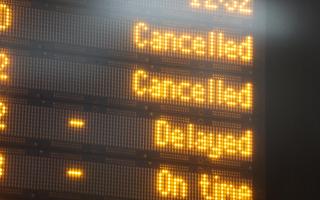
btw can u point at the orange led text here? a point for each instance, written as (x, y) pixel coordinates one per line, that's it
(212, 92)
(212, 144)
(215, 45)
(172, 186)
(217, 189)
(243, 7)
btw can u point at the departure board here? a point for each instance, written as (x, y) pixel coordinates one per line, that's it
(131, 99)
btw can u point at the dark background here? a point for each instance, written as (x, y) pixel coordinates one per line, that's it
(292, 79)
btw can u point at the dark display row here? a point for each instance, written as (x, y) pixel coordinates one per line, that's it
(118, 83)
(72, 30)
(114, 132)
(57, 176)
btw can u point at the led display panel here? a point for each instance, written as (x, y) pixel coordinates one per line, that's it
(117, 179)
(116, 131)
(73, 30)
(131, 99)
(130, 83)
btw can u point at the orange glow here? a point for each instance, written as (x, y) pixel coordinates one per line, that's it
(205, 93)
(2, 160)
(5, 17)
(3, 112)
(74, 173)
(212, 144)
(3, 77)
(4, 62)
(242, 7)
(218, 189)
(77, 123)
(214, 45)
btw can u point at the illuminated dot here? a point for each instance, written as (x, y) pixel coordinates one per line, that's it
(74, 173)
(3, 77)
(2, 160)
(76, 123)
(2, 127)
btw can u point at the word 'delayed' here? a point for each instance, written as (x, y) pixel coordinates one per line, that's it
(214, 144)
